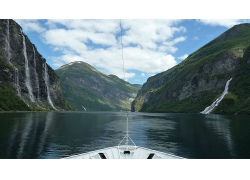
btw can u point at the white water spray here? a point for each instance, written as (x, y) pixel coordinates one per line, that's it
(36, 76)
(16, 72)
(46, 79)
(16, 82)
(8, 42)
(208, 109)
(27, 71)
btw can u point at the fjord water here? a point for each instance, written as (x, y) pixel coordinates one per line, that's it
(55, 135)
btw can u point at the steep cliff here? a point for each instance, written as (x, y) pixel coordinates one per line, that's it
(196, 82)
(25, 73)
(86, 88)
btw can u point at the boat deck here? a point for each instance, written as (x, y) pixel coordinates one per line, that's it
(124, 152)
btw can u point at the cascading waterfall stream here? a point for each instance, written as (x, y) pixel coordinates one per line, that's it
(16, 72)
(16, 82)
(36, 76)
(208, 109)
(27, 71)
(46, 79)
(8, 42)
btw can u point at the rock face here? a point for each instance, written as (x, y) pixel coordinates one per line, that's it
(86, 88)
(34, 80)
(196, 82)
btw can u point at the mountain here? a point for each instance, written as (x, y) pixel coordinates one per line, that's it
(27, 82)
(199, 80)
(137, 85)
(84, 87)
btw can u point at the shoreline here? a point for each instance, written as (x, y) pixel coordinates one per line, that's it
(2, 112)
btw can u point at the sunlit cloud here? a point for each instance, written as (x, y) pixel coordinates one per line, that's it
(148, 44)
(222, 22)
(30, 25)
(183, 57)
(196, 38)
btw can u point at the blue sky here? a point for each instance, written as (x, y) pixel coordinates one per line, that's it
(156, 35)
(149, 46)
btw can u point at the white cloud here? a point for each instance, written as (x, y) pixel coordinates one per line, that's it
(196, 38)
(142, 74)
(105, 26)
(30, 25)
(147, 43)
(221, 22)
(149, 33)
(169, 45)
(183, 57)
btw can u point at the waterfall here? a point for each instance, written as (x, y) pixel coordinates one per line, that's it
(16, 82)
(16, 72)
(8, 41)
(208, 109)
(46, 79)
(36, 76)
(27, 71)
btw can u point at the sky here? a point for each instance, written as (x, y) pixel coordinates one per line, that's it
(155, 36)
(150, 46)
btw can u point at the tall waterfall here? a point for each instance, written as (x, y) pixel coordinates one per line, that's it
(208, 109)
(27, 71)
(16, 72)
(16, 82)
(8, 41)
(36, 76)
(46, 79)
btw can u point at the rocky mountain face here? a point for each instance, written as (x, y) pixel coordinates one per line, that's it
(197, 82)
(26, 76)
(86, 88)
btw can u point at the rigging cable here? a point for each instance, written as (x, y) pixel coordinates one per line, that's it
(122, 50)
(124, 80)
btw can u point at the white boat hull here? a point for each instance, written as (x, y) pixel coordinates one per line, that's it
(124, 152)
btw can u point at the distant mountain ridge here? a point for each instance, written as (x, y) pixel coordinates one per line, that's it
(196, 82)
(86, 88)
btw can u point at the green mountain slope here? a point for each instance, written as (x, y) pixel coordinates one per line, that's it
(196, 82)
(84, 87)
(8, 97)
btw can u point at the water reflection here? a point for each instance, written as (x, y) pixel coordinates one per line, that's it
(25, 134)
(44, 134)
(26, 138)
(12, 138)
(60, 134)
(220, 125)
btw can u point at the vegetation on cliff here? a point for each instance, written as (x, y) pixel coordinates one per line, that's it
(196, 82)
(23, 68)
(84, 87)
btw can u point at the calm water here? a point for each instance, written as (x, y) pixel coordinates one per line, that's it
(60, 134)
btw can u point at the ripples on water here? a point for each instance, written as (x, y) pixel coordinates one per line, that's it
(60, 134)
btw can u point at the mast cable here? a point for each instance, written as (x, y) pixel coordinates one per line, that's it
(122, 50)
(127, 135)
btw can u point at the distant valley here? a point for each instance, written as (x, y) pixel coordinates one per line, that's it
(86, 88)
(28, 83)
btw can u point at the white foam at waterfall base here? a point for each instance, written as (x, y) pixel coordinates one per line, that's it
(208, 109)
(46, 79)
(27, 71)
